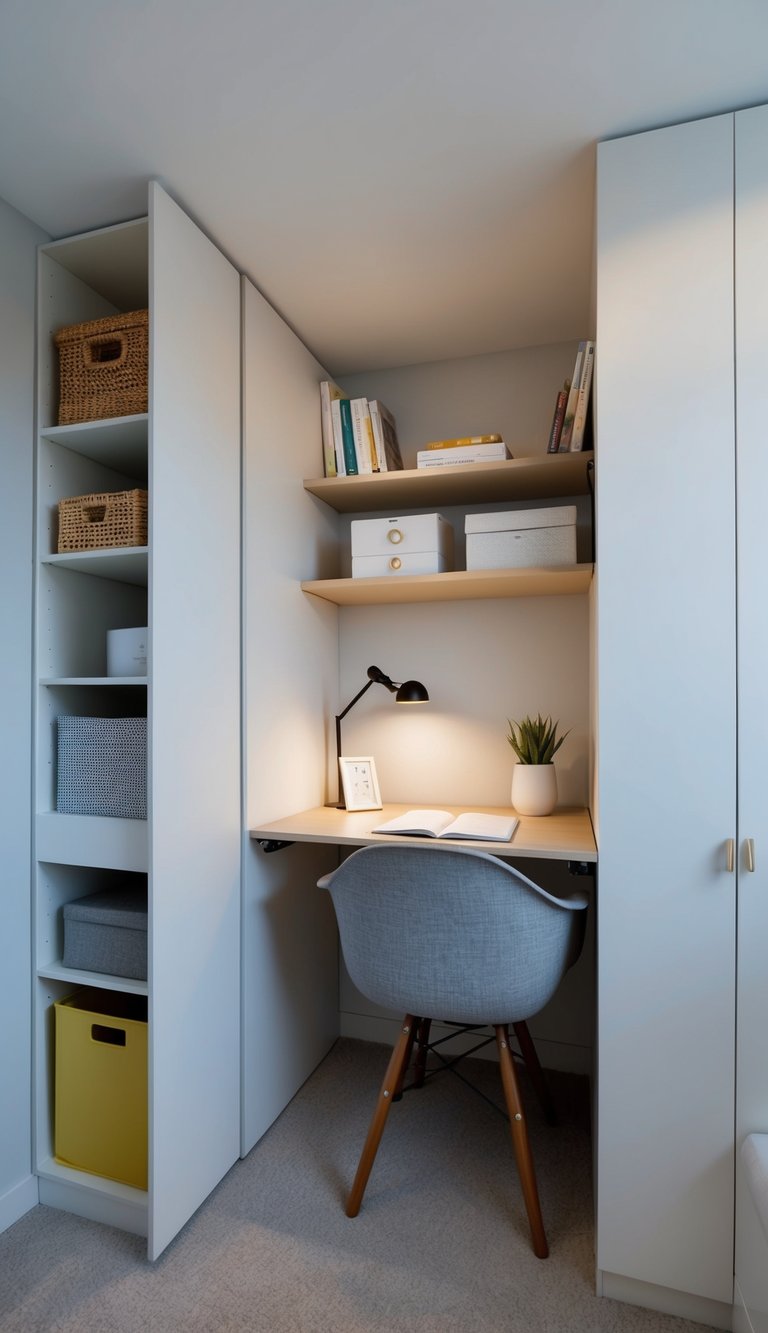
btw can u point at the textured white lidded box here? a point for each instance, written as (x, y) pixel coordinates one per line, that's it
(416, 544)
(525, 539)
(127, 652)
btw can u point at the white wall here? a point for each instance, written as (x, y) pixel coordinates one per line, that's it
(18, 241)
(511, 393)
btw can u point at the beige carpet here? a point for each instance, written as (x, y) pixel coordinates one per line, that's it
(441, 1244)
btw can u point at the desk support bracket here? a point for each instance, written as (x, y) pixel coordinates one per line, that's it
(272, 844)
(580, 868)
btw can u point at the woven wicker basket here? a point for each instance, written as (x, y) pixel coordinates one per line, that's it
(103, 367)
(112, 518)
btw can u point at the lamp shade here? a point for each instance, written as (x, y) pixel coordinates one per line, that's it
(411, 692)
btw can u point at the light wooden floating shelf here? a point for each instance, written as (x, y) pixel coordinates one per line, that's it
(542, 477)
(461, 585)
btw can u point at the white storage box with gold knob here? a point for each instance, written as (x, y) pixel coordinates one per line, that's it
(418, 544)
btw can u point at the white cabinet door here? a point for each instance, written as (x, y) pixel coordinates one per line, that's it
(194, 718)
(752, 497)
(667, 726)
(290, 691)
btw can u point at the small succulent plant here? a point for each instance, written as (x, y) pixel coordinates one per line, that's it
(535, 740)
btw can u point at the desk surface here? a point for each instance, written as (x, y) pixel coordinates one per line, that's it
(565, 835)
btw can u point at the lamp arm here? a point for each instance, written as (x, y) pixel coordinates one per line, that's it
(352, 702)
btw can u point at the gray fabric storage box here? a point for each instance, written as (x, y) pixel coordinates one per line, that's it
(107, 932)
(102, 766)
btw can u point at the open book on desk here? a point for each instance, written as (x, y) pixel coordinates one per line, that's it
(441, 824)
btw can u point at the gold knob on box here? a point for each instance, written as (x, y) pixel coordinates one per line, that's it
(394, 535)
(395, 562)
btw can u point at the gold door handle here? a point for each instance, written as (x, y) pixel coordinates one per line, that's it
(395, 536)
(749, 844)
(730, 854)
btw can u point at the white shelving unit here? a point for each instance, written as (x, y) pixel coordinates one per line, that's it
(80, 596)
(185, 452)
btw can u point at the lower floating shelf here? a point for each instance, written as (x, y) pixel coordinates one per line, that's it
(461, 585)
(93, 1197)
(101, 980)
(92, 840)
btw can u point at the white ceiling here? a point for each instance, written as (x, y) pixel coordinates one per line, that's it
(406, 180)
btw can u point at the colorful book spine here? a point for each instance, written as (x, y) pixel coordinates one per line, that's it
(348, 439)
(582, 402)
(558, 418)
(570, 410)
(338, 437)
(464, 442)
(365, 448)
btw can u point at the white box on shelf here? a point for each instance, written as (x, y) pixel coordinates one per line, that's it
(127, 652)
(524, 539)
(417, 544)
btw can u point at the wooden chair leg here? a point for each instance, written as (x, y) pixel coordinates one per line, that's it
(392, 1079)
(520, 1142)
(420, 1063)
(397, 1095)
(535, 1071)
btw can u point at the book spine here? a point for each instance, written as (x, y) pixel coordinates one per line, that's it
(582, 402)
(378, 436)
(464, 443)
(329, 452)
(365, 450)
(338, 437)
(348, 439)
(570, 410)
(372, 450)
(451, 457)
(389, 434)
(558, 418)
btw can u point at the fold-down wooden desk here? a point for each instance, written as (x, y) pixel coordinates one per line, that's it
(566, 835)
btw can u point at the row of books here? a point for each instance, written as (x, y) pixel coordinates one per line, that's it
(359, 434)
(467, 449)
(569, 422)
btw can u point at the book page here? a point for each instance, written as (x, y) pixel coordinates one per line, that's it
(427, 823)
(494, 828)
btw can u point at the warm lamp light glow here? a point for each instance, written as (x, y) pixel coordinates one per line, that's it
(405, 692)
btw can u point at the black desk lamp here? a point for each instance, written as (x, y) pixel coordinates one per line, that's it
(408, 692)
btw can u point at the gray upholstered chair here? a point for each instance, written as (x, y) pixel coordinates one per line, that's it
(458, 936)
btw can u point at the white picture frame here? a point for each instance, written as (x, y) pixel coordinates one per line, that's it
(359, 783)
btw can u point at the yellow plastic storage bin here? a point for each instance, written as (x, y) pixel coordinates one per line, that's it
(100, 1106)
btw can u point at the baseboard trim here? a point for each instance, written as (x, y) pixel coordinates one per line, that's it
(17, 1201)
(682, 1304)
(741, 1320)
(95, 1205)
(553, 1055)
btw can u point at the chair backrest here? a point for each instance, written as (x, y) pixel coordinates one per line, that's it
(452, 934)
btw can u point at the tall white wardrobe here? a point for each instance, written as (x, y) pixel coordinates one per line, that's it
(682, 647)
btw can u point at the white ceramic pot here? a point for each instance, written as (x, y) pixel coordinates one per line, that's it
(534, 789)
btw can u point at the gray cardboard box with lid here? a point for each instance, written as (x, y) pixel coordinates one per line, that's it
(107, 932)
